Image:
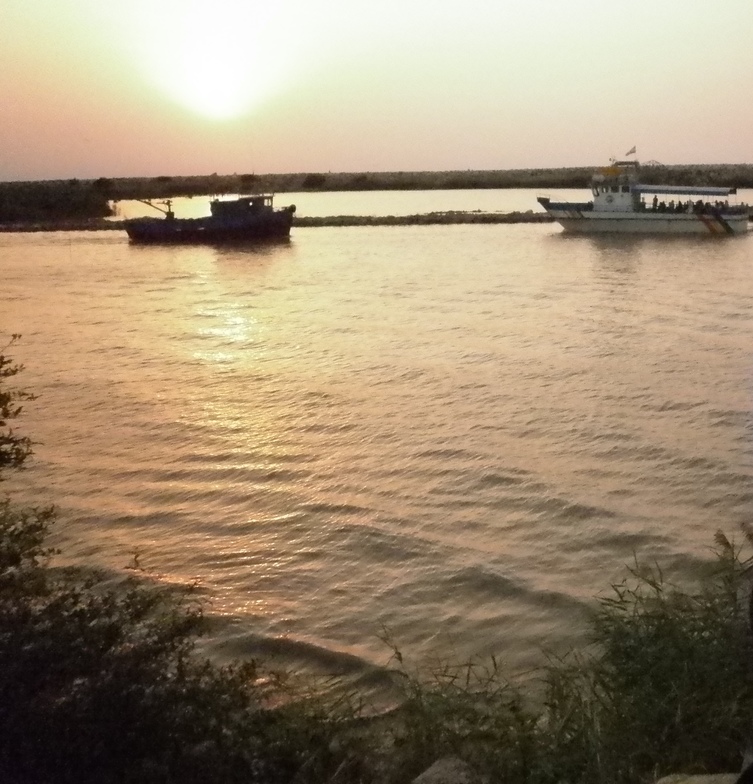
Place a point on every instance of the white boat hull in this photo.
(655, 223)
(620, 210)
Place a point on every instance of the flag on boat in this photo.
(631, 151)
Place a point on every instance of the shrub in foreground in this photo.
(14, 449)
(101, 684)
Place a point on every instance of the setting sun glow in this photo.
(217, 58)
(93, 89)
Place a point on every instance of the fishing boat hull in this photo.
(583, 219)
(198, 230)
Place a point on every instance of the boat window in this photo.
(626, 189)
(615, 189)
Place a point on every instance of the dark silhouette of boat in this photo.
(230, 220)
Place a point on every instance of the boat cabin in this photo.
(242, 207)
(613, 187)
(616, 189)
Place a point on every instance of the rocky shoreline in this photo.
(425, 219)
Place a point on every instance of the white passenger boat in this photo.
(622, 205)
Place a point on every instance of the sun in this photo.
(218, 58)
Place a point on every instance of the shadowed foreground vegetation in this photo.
(104, 684)
(65, 200)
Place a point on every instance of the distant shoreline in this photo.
(61, 201)
(120, 188)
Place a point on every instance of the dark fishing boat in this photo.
(230, 220)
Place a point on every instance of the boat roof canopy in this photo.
(684, 190)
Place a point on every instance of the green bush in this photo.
(674, 680)
(314, 181)
(104, 685)
(14, 449)
(58, 200)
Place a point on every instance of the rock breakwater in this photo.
(426, 219)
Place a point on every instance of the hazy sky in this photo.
(93, 88)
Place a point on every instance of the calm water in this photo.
(392, 202)
(459, 434)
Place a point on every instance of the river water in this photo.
(314, 205)
(453, 435)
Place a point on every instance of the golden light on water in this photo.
(217, 58)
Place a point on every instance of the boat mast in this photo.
(168, 213)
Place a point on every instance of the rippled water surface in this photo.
(458, 434)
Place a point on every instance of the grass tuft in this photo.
(665, 686)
